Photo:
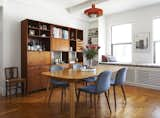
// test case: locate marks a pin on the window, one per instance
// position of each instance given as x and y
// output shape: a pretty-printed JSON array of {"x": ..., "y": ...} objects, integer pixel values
[
  {"x": 156, "y": 40},
  {"x": 122, "y": 42}
]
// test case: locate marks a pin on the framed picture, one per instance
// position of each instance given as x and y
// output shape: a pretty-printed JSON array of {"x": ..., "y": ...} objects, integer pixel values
[{"x": 142, "y": 41}]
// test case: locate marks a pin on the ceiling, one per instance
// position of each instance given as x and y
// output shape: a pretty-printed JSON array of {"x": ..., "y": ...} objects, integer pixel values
[{"x": 77, "y": 7}]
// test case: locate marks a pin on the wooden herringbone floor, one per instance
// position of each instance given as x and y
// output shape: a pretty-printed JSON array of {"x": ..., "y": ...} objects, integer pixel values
[{"x": 142, "y": 103}]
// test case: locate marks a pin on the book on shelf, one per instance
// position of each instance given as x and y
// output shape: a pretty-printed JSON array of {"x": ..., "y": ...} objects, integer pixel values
[
  {"x": 65, "y": 34},
  {"x": 60, "y": 33},
  {"x": 57, "y": 32}
]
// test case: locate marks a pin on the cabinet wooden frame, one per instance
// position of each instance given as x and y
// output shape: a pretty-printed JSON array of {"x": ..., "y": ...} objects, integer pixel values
[{"x": 33, "y": 62}]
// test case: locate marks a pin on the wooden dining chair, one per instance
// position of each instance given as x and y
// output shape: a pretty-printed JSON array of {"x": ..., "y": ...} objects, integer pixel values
[
  {"x": 13, "y": 81},
  {"x": 102, "y": 86}
]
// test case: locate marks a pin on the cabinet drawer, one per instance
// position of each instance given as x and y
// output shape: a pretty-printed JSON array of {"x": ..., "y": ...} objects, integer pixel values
[
  {"x": 35, "y": 80},
  {"x": 38, "y": 58},
  {"x": 59, "y": 45}
]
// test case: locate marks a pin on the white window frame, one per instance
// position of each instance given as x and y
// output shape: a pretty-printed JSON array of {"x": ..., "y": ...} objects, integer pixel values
[
  {"x": 112, "y": 44},
  {"x": 154, "y": 51},
  {"x": 154, "y": 42}
]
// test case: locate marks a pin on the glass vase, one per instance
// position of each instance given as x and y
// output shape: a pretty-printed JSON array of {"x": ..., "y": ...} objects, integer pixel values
[{"x": 90, "y": 63}]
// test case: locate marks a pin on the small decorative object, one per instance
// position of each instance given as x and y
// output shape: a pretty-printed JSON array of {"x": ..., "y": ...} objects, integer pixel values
[
  {"x": 76, "y": 60},
  {"x": 30, "y": 45},
  {"x": 88, "y": 69},
  {"x": 71, "y": 48},
  {"x": 41, "y": 27},
  {"x": 38, "y": 47},
  {"x": 57, "y": 61},
  {"x": 43, "y": 35},
  {"x": 90, "y": 52},
  {"x": 142, "y": 41},
  {"x": 72, "y": 35},
  {"x": 44, "y": 27},
  {"x": 31, "y": 32},
  {"x": 90, "y": 40}
]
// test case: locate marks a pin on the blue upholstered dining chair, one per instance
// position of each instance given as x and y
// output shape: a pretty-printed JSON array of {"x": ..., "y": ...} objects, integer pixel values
[
  {"x": 76, "y": 66},
  {"x": 90, "y": 79},
  {"x": 119, "y": 81},
  {"x": 102, "y": 85},
  {"x": 56, "y": 83}
]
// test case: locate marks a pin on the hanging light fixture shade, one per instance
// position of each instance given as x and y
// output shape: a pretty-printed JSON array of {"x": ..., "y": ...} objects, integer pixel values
[{"x": 93, "y": 12}]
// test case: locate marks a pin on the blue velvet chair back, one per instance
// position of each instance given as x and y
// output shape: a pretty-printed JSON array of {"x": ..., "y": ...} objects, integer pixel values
[
  {"x": 103, "y": 81},
  {"x": 76, "y": 66},
  {"x": 56, "y": 68},
  {"x": 121, "y": 76}
]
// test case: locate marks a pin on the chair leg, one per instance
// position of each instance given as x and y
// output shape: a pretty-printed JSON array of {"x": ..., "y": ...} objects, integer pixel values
[
  {"x": 98, "y": 98},
  {"x": 124, "y": 95},
  {"x": 95, "y": 104},
  {"x": 48, "y": 90},
  {"x": 108, "y": 93},
  {"x": 50, "y": 95},
  {"x": 62, "y": 98},
  {"x": 6, "y": 89},
  {"x": 108, "y": 102},
  {"x": 10, "y": 91},
  {"x": 16, "y": 88},
  {"x": 86, "y": 94},
  {"x": 78, "y": 96},
  {"x": 24, "y": 88},
  {"x": 91, "y": 100},
  {"x": 76, "y": 92},
  {"x": 115, "y": 102}
]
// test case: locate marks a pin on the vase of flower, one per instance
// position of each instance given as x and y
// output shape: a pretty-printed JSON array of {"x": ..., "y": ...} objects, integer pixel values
[
  {"x": 90, "y": 52},
  {"x": 90, "y": 62}
]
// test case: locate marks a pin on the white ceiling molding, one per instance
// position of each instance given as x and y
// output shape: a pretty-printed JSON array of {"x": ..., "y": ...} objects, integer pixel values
[{"x": 83, "y": 5}]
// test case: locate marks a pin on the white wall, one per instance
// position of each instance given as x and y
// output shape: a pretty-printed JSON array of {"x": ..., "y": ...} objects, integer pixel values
[
  {"x": 93, "y": 24},
  {"x": 142, "y": 22},
  {"x": 17, "y": 10},
  {"x": 1, "y": 48},
  {"x": 102, "y": 36}
]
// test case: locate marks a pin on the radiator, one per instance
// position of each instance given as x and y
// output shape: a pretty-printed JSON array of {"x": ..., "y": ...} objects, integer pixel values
[{"x": 144, "y": 77}]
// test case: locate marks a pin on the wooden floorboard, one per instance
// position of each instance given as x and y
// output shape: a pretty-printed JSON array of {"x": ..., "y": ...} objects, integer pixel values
[{"x": 142, "y": 103}]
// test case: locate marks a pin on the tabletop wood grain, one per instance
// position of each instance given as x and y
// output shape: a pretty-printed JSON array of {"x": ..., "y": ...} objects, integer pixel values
[{"x": 70, "y": 74}]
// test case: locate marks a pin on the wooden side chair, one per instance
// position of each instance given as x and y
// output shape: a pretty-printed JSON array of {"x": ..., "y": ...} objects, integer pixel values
[{"x": 13, "y": 81}]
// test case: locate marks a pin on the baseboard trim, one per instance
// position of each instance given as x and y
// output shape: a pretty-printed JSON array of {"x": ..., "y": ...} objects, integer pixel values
[{"x": 143, "y": 85}]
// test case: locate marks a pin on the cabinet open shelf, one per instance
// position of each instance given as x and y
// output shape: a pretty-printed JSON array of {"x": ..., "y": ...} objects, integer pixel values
[
  {"x": 36, "y": 36},
  {"x": 72, "y": 45},
  {"x": 80, "y": 35},
  {"x": 73, "y": 34},
  {"x": 80, "y": 56}
]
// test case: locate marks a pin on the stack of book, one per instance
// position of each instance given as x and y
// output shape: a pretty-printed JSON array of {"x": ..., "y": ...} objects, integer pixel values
[
  {"x": 65, "y": 34},
  {"x": 60, "y": 33}
]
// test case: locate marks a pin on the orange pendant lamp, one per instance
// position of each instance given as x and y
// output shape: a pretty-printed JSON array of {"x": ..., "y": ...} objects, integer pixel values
[{"x": 93, "y": 12}]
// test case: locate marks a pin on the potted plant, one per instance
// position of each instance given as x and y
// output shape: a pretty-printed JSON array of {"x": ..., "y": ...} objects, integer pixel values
[{"x": 90, "y": 52}]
